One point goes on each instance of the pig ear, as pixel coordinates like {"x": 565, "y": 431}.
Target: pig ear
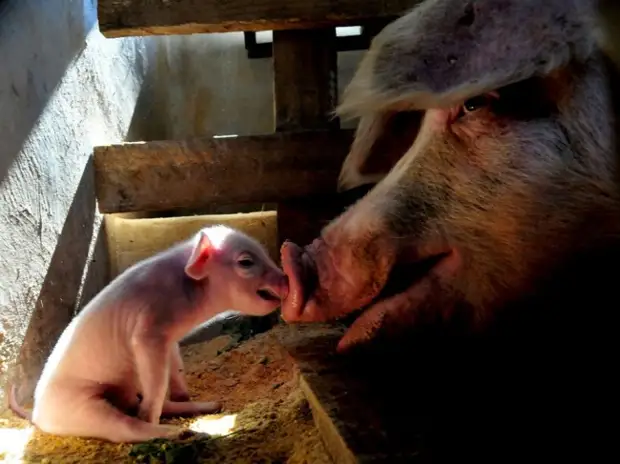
{"x": 381, "y": 139}
{"x": 196, "y": 266}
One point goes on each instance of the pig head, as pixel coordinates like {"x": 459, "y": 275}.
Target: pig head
{"x": 488, "y": 129}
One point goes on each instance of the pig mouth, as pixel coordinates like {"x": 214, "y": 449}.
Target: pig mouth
{"x": 405, "y": 275}
{"x": 268, "y": 294}
{"x": 406, "y": 284}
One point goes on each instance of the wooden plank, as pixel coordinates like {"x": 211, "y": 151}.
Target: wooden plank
{"x": 131, "y": 240}
{"x": 305, "y": 93}
{"x": 121, "y": 18}
{"x": 155, "y": 176}
{"x": 345, "y": 43}
{"x": 609, "y": 11}
{"x": 348, "y": 408}
{"x": 301, "y": 220}
{"x": 434, "y": 396}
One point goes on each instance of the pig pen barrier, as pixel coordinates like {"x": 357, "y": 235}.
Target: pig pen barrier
{"x": 296, "y": 167}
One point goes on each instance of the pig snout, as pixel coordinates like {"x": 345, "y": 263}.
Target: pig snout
{"x": 328, "y": 280}
{"x": 299, "y": 267}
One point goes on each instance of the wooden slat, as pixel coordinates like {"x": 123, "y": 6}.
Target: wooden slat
{"x": 343, "y": 43}
{"x": 305, "y": 94}
{"x": 609, "y": 11}
{"x": 121, "y": 18}
{"x": 155, "y": 176}
{"x": 132, "y": 240}
{"x": 347, "y": 407}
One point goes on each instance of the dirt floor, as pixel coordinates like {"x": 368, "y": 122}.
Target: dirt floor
{"x": 265, "y": 419}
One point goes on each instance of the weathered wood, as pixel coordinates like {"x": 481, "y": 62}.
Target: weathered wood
{"x": 343, "y": 43}
{"x": 348, "y": 409}
{"x": 131, "y": 240}
{"x": 301, "y": 220}
{"x": 609, "y": 11}
{"x": 121, "y": 18}
{"x": 155, "y": 176}
{"x": 305, "y": 73}
{"x": 305, "y": 94}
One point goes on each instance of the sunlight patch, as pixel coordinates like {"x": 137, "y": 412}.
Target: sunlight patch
{"x": 223, "y": 425}
{"x": 13, "y": 442}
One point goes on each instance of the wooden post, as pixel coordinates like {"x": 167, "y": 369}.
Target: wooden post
{"x": 305, "y": 94}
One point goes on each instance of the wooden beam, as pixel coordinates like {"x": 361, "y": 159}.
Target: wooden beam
{"x": 609, "y": 11}
{"x": 305, "y": 94}
{"x": 155, "y": 176}
{"x": 343, "y": 43}
{"x": 305, "y": 74}
{"x": 132, "y": 240}
{"x": 122, "y": 18}
{"x": 347, "y": 405}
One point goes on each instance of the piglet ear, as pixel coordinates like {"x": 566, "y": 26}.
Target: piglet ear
{"x": 196, "y": 266}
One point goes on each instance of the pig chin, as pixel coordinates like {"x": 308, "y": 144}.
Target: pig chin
{"x": 323, "y": 287}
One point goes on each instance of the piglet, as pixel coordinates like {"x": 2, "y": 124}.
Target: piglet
{"x": 121, "y": 353}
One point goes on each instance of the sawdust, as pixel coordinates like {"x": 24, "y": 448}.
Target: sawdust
{"x": 256, "y": 381}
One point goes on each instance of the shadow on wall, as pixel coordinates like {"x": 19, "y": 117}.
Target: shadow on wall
{"x": 62, "y": 291}
{"x": 56, "y": 32}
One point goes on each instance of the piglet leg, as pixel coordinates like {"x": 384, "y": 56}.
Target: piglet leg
{"x": 177, "y": 386}
{"x": 70, "y": 411}
{"x": 190, "y": 408}
{"x": 109, "y": 423}
{"x": 152, "y": 357}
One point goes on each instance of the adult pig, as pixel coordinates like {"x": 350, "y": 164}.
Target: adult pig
{"x": 485, "y": 254}
{"x": 488, "y": 127}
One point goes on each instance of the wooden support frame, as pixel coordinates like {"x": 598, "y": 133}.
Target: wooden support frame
{"x": 123, "y": 18}
{"x": 256, "y": 50}
{"x": 305, "y": 94}
{"x": 160, "y": 175}
{"x": 348, "y": 403}
{"x": 305, "y": 78}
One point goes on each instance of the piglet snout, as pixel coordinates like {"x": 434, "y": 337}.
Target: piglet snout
{"x": 276, "y": 289}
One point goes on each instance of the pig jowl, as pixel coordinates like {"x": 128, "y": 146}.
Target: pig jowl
{"x": 324, "y": 288}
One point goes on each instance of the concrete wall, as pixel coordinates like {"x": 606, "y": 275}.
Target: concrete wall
{"x": 63, "y": 89}
{"x": 204, "y": 84}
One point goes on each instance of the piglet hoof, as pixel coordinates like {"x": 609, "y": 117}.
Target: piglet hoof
{"x": 166, "y": 432}
{"x": 185, "y": 434}
{"x": 180, "y": 397}
{"x": 173, "y": 432}
{"x": 208, "y": 407}
{"x": 190, "y": 408}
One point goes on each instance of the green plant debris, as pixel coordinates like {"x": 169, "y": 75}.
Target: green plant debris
{"x": 162, "y": 451}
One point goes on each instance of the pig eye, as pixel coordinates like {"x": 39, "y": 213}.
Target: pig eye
{"x": 476, "y": 103}
{"x": 245, "y": 261}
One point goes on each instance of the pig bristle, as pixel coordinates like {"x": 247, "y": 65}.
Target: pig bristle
{"x": 424, "y": 58}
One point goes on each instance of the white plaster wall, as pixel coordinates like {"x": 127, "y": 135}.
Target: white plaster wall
{"x": 63, "y": 89}
{"x": 204, "y": 85}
